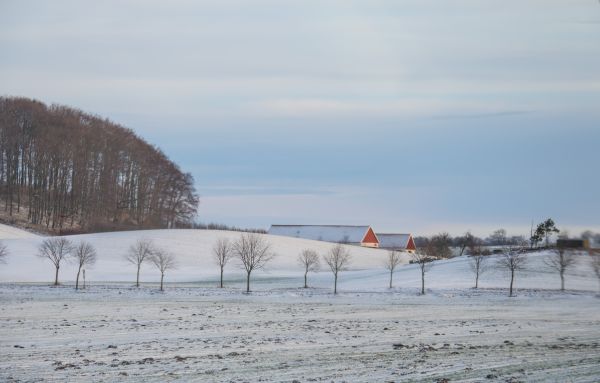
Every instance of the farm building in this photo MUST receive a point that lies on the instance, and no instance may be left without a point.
(352, 235)
(400, 242)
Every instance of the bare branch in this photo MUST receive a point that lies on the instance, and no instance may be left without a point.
(222, 253)
(392, 261)
(478, 261)
(595, 263)
(163, 261)
(309, 260)
(55, 250)
(84, 255)
(253, 252)
(338, 260)
(138, 254)
(512, 260)
(561, 260)
(423, 259)
(3, 253)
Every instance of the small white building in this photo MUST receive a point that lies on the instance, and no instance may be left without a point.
(399, 242)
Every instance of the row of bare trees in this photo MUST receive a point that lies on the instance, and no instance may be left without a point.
(144, 251)
(64, 170)
(253, 252)
(57, 250)
(512, 260)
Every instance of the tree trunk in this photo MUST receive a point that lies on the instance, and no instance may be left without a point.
(422, 282)
(162, 276)
(391, 275)
(512, 278)
(335, 283)
(248, 282)
(221, 277)
(562, 281)
(77, 279)
(56, 276)
(477, 280)
(305, 284)
(137, 279)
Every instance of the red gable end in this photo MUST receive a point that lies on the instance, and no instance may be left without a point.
(411, 244)
(370, 237)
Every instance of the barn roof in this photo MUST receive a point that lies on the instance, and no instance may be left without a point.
(393, 241)
(328, 233)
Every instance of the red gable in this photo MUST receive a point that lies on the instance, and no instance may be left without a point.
(411, 244)
(370, 237)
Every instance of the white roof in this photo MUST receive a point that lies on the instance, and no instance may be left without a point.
(393, 241)
(328, 233)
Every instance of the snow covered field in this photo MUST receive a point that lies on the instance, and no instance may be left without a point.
(186, 334)
(280, 332)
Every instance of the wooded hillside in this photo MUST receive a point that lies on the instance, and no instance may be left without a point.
(64, 170)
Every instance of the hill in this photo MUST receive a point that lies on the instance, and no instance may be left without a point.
(63, 170)
(11, 232)
(195, 264)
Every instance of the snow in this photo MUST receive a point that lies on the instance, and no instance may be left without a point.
(10, 232)
(197, 332)
(119, 333)
(193, 249)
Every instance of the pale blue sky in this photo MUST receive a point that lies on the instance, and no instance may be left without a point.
(407, 115)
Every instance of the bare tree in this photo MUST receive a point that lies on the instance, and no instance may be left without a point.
(338, 260)
(138, 254)
(3, 253)
(561, 260)
(84, 254)
(498, 238)
(439, 246)
(512, 260)
(595, 261)
(309, 259)
(222, 254)
(465, 242)
(55, 249)
(110, 178)
(423, 260)
(392, 261)
(253, 252)
(478, 262)
(163, 261)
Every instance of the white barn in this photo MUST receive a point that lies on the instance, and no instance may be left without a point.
(353, 235)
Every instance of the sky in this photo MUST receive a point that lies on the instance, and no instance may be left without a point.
(411, 116)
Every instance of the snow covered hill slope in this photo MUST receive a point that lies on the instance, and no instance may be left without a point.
(196, 266)
(193, 249)
(10, 232)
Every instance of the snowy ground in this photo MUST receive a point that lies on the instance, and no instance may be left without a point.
(280, 332)
(116, 333)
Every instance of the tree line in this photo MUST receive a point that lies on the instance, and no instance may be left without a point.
(440, 245)
(63, 170)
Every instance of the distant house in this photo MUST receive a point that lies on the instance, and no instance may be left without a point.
(352, 235)
(572, 244)
(399, 242)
